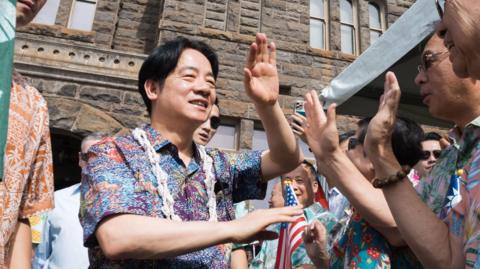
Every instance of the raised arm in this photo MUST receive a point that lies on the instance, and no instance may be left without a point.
(262, 86)
(429, 237)
(129, 236)
(322, 136)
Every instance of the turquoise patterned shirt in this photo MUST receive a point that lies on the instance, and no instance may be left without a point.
(267, 255)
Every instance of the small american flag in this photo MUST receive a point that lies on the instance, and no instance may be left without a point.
(290, 234)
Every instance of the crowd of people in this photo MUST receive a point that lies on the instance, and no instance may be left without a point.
(395, 197)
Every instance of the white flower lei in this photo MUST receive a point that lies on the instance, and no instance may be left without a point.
(162, 177)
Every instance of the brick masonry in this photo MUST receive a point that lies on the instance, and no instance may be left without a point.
(98, 69)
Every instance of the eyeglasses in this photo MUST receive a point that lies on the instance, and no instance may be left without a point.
(352, 143)
(426, 154)
(214, 122)
(439, 9)
(429, 58)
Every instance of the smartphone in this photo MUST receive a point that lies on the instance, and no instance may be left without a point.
(299, 108)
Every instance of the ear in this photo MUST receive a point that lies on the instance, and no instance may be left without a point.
(152, 89)
(315, 186)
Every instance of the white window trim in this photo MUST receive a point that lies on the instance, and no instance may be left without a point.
(381, 9)
(72, 7)
(326, 22)
(354, 25)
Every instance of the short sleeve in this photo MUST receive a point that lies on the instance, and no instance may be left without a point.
(247, 175)
(110, 187)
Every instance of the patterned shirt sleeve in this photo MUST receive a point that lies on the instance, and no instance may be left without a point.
(247, 174)
(39, 189)
(109, 187)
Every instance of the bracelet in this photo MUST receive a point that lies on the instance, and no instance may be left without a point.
(401, 174)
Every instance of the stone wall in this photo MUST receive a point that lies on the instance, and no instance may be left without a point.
(99, 68)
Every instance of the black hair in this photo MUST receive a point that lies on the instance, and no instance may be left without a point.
(432, 136)
(406, 139)
(344, 136)
(310, 167)
(163, 60)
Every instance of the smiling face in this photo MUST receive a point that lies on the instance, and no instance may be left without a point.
(205, 132)
(462, 36)
(188, 92)
(440, 88)
(27, 10)
(303, 183)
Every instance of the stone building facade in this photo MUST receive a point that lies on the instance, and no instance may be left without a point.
(89, 77)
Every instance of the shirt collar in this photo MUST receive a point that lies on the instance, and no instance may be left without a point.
(470, 128)
(155, 138)
(158, 142)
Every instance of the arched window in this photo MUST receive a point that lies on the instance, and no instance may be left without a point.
(319, 24)
(375, 21)
(82, 15)
(348, 26)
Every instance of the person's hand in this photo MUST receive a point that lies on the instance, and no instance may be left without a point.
(253, 226)
(320, 129)
(260, 74)
(378, 141)
(315, 240)
(296, 123)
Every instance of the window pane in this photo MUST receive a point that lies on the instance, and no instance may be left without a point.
(346, 11)
(82, 16)
(317, 9)
(317, 34)
(259, 140)
(347, 39)
(224, 138)
(374, 35)
(374, 16)
(48, 13)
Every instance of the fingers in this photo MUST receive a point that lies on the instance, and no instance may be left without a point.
(273, 54)
(391, 94)
(332, 116)
(313, 109)
(252, 54)
(262, 52)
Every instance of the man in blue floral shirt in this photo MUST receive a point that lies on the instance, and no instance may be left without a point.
(155, 199)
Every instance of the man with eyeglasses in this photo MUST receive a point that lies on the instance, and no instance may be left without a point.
(62, 235)
(431, 152)
(208, 129)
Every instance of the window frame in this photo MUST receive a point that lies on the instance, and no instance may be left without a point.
(354, 25)
(69, 23)
(326, 22)
(381, 9)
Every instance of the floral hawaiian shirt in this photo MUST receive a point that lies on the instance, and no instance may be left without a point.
(456, 199)
(119, 179)
(27, 185)
(361, 246)
(267, 256)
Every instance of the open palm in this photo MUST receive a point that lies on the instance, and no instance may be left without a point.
(320, 128)
(380, 128)
(261, 76)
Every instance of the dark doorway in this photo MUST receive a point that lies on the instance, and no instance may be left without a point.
(65, 148)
